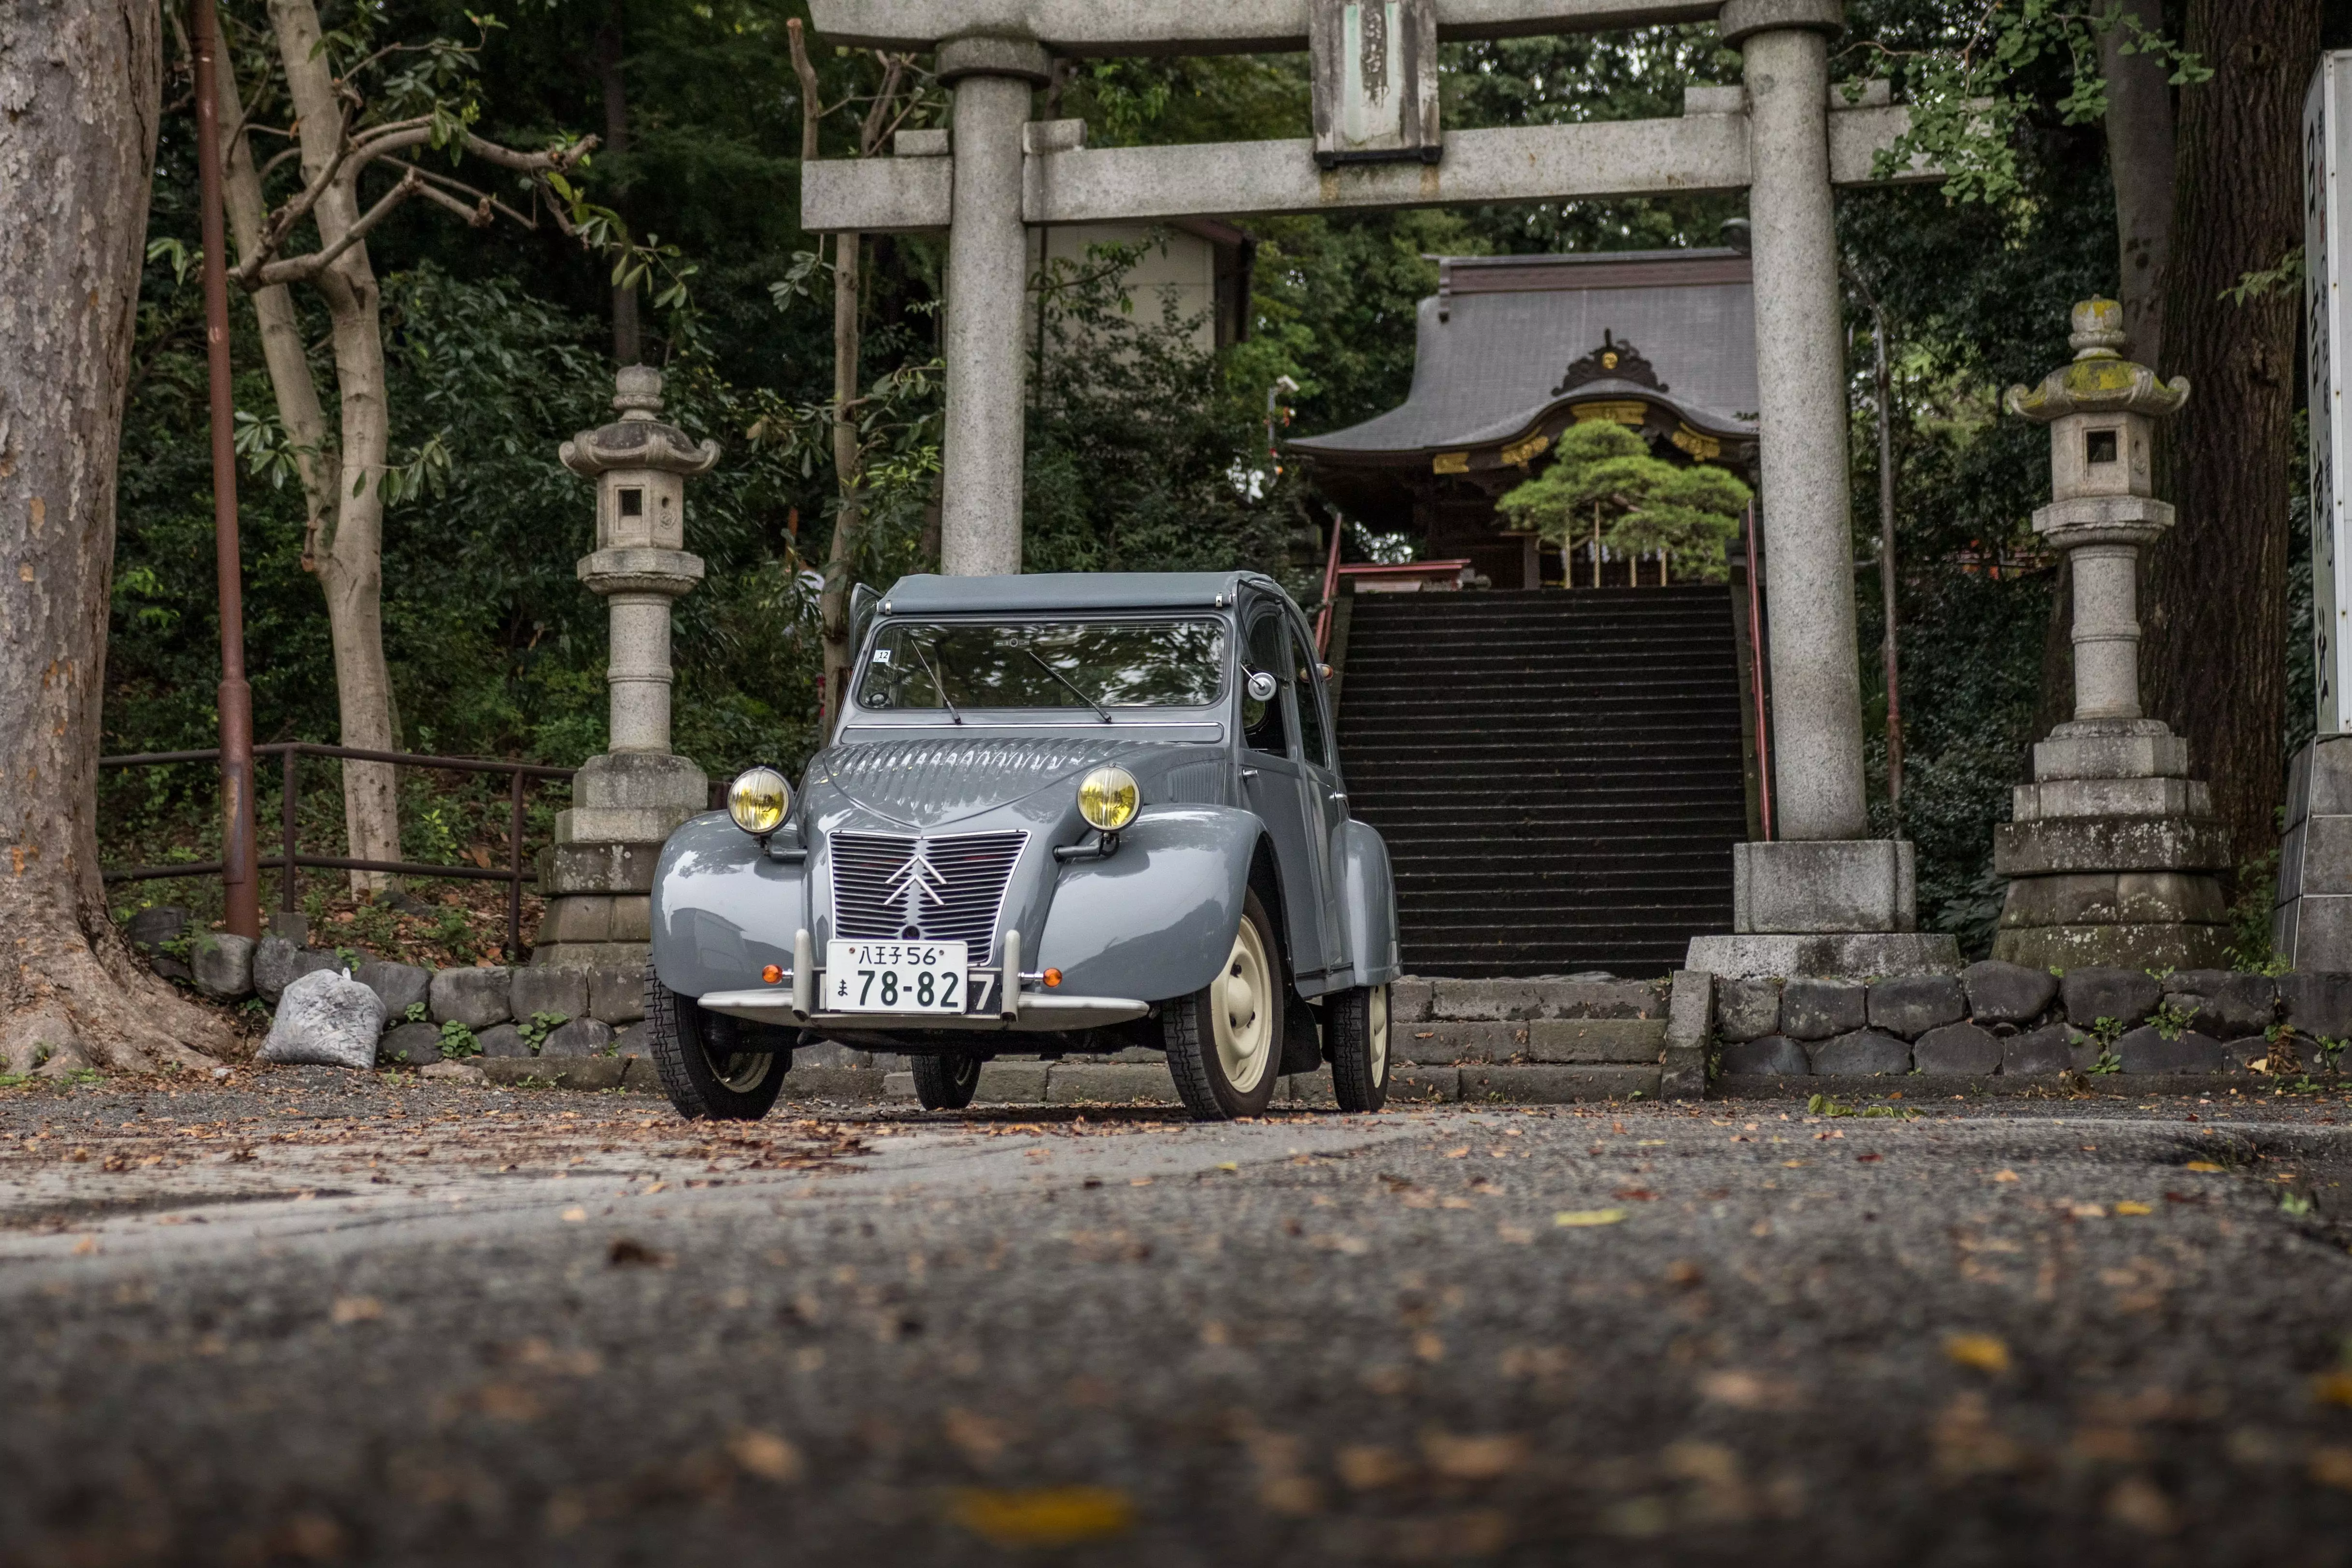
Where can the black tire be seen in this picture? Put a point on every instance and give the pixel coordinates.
(946, 1081)
(706, 1081)
(1198, 1056)
(1358, 1029)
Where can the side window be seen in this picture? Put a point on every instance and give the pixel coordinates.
(1313, 734)
(1265, 726)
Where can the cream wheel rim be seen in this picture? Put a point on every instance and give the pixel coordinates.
(1376, 1025)
(1241, 1006)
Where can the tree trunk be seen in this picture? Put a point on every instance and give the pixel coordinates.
(626, 348)
(350, 561)
(282, 349)
(2216, 589)
(841, 558)
(81, 81)
(2140, 159)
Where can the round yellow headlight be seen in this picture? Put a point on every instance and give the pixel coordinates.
(1108, 798)
(757, 801)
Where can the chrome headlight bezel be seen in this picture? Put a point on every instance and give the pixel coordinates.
(760, 801)
(1110, 799)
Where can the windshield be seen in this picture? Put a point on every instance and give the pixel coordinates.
(1045, 664)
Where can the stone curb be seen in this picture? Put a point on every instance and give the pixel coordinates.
(1925, 1088)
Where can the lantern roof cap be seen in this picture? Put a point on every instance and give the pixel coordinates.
(2100, 379)
(639, 439)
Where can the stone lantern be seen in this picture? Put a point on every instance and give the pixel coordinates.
(626, 802)
(2113, 853)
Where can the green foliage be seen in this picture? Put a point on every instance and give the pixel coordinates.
(534, 1032)
(2108, 1063)
(2172, 1020)
(457, 1042)
(1603, 475)
(1974, 87)
(2104, 1032)
(414, 1013)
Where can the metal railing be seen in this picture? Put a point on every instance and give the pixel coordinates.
(289, 860)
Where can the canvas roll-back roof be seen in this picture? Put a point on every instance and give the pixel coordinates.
(928, 595)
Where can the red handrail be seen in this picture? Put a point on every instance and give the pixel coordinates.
(1331, 588)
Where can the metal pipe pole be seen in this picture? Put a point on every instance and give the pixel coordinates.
(1886, 567)
(1756, 677)
(240, 878)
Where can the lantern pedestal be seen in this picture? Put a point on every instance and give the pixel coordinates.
(598, 879)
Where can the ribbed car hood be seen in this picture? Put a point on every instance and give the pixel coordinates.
(922, 782)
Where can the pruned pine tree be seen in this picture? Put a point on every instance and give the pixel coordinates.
(76, 147)
(1604, 481)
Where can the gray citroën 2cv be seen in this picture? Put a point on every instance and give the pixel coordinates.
(1061, 813)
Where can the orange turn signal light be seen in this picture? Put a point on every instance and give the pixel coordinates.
(773, 974)
(1053, 977)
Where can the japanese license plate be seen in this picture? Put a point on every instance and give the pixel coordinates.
(894, 977)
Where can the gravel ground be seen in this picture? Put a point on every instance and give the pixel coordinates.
(296, 1318)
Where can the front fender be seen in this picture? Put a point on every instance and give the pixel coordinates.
(1367, 903)
(722, 910)
(1157, 918)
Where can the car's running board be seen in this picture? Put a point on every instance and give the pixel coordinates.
(1041, 1012)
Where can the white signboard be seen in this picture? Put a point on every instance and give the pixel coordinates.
(2326, 248)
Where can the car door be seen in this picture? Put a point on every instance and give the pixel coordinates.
(1323, 802)
(1273, 780)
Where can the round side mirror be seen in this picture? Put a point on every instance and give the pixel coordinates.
(1262, 685)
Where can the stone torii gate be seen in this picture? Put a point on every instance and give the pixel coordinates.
(1825, 899)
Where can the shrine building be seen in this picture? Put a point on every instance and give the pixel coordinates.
(1513, 349)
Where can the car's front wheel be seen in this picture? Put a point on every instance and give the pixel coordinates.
(1359, 1031)
(707, 1078)
(1224, 1041)
(946, 1081)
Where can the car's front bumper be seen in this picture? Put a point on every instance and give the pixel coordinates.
(1039, 1013)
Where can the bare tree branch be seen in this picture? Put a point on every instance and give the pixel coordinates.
(295, 270)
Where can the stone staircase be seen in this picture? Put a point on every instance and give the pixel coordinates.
(1558, 774)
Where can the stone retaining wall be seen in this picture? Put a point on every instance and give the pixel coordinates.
(1997, 1020)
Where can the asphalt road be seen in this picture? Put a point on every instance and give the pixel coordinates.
(290, 1318)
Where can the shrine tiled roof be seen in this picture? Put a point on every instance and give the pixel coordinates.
(1496, 345)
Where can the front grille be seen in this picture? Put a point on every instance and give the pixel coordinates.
(948, 890)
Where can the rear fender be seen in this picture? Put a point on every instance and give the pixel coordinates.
(1368, 903)
(1157, 919)
(722, 909)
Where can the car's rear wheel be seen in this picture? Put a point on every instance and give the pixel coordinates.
(707, 1078)
(946, 1081)
(1224, 1041)
(1359, 1032)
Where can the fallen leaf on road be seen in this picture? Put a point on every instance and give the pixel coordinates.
(574, 1214)
(2206, 1165)
(2086, 1211)
(627, 1250)
(1744, 1390)
(2127, 1206)
(1867, 1158)
(1634, 1194)
(357, 1309)
(1364, 1467)
(2333, 1388)
(1045, 1516)
(1428, 1347)
(2332, 1467)
(2005, 1176)
(765, 1454)
(2137, 1504)
(1580, 1217)
(85, 1246)
(1793, 1164)
(976, 1436)
(1473, 1458)
(1985, 1353)
(1460, 1153)
(1517, 1235)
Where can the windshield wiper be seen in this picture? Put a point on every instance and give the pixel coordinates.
(1066, 682)
(937, 684)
